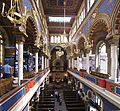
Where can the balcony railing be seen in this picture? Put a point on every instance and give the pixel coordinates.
(100, 80)
(21, 94)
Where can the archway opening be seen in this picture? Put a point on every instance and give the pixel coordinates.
(58, 63)
(82, 58)
(102, 58)
(29, 47)
(100, 54)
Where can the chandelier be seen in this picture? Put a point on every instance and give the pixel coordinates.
(13, 13)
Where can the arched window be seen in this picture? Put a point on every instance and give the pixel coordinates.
(62, 39)
(101, 58)
(102, 48)
(65, 40)
(55, 39)
(52, 39)
(58, 39)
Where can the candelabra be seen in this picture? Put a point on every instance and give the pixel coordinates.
(13, 15)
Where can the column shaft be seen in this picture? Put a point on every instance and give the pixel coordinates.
(114, 62)
(42, 62)
(20, 62)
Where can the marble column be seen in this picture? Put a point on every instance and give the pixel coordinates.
(114, 41)
(20, 41)
(42, 62)
(20, 62)
(114, 59)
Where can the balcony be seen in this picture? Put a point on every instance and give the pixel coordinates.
(17, 98)
(104, 87)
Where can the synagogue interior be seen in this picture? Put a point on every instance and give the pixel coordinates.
(59, 55)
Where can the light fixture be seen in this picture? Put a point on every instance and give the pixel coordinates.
(13, 15)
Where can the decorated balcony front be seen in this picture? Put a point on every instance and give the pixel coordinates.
(100, 81)
(19, 97)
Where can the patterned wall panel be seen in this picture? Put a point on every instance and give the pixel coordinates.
(107, 6)
(28, 4)
(86, 27)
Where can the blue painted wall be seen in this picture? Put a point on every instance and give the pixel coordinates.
(107, 6)
(85, 88)
(109, 106)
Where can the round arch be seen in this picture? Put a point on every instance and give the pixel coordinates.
(58, 54)
(115, 18)
(31, 31)
(101, 19)
(59, 47)
(55, 47)
(98, 32)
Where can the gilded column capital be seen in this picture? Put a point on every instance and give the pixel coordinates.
(20, 36)
(88, 45)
